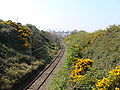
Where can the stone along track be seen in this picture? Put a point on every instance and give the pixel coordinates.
(37, 83)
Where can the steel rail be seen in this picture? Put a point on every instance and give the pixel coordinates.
(37, 83)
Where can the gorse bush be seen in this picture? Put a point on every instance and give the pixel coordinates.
(67, 38)
(95, 36)
(23, 32)
(15, 67)
(11, 37)
(103, 47)
(111, 82)
(80, 69)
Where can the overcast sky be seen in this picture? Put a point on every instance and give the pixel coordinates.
(89, 15)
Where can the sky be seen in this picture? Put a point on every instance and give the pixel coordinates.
(59, 15)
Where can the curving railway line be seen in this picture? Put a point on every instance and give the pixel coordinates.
(37, 83)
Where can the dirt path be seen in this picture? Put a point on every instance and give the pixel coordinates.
(60, 64)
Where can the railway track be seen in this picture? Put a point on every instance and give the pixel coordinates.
(37, 83)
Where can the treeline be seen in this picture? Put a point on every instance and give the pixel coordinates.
(15, 64)
(92, 63)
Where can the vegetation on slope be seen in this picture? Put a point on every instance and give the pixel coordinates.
(103, 47)
(15, 65)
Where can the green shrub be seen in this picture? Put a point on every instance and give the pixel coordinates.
(15, 66)
(103, 47)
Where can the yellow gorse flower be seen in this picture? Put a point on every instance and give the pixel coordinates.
(80, 69)
(68, 37)
(117, 88)
(105, 82)
(116, 71)
(24, 32)
(111, 81)
(20, 30)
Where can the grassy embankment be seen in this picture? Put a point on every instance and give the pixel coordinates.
(93, 61)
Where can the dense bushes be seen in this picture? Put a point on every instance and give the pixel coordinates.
(15, 66)
(112, 82)
(104, 50)
(103, 47)
(80, 68)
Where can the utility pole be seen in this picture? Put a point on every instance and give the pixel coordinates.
(30, 48)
